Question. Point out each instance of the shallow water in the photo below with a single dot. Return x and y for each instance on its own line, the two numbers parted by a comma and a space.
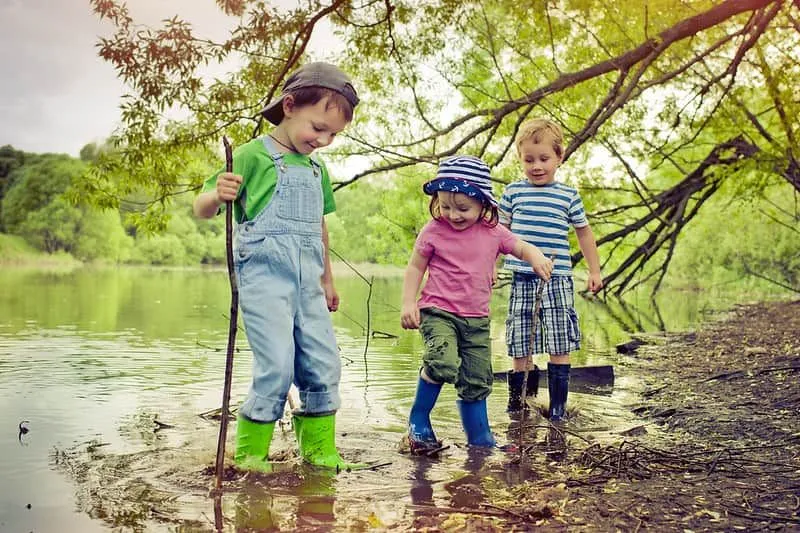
90, 359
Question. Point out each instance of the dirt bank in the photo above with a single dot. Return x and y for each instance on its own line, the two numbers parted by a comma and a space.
718, 448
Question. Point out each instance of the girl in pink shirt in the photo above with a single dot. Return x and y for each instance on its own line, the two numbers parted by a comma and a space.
458, 249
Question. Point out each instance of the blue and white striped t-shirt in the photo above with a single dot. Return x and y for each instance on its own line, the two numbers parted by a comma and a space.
542, 215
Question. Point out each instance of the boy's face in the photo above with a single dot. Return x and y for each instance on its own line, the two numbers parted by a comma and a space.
539, 160
459, 210
312, 126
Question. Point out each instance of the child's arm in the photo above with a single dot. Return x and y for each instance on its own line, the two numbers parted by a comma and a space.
589, 249
530, 253
409, 317
331, 296
506, 225
206, 205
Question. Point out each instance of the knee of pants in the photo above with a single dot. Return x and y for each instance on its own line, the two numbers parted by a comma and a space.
441, 371
473, 392
441, 358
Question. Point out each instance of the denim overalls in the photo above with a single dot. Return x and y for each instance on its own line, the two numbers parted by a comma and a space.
279, 262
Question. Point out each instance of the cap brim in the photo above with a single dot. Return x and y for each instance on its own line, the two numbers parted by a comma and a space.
457, 185
274, 110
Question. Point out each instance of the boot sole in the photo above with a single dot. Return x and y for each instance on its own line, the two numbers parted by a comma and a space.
431, 452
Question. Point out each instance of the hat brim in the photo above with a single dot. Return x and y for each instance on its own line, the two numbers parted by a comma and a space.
273, 111
458, 186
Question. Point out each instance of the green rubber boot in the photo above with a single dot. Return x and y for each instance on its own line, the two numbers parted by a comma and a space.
316, 440
252, 445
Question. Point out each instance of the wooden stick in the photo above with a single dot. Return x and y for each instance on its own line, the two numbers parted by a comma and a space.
455, 510
226, 389
536, 307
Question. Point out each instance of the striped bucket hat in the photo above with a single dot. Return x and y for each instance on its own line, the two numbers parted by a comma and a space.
465, 174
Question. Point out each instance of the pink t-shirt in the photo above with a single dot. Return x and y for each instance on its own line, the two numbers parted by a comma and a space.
460, 265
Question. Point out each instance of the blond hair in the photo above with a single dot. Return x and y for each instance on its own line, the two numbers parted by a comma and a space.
541, 130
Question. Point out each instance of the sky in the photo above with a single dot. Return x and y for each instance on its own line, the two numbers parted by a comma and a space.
56, 94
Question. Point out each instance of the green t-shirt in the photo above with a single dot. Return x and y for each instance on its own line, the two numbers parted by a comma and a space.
254, 164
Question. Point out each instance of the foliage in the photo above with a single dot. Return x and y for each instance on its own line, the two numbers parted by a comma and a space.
377, 222
53, 227
37, 209
13, 247
673, 98
10, 160
102, 238
752, 240
679, 122
35, 185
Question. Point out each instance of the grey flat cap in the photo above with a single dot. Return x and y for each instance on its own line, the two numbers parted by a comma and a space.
317, 74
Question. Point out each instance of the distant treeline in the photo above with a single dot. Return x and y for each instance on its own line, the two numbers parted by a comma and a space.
37, 203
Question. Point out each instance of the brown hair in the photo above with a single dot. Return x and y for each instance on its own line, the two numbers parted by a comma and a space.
541, 130
488, 216
311, 95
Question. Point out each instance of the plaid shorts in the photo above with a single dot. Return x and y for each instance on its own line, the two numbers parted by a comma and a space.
557, 330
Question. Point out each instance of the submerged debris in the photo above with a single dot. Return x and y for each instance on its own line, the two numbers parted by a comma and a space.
23, 430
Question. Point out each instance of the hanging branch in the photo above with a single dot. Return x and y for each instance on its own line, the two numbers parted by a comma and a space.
369, 320
369, 297
773, 281
644, 55
668, 209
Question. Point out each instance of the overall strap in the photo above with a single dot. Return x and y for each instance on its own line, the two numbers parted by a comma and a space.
277, 156
315, 165
272, 149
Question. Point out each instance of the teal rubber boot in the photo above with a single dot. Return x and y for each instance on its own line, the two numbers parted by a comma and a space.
252, 445
316, 435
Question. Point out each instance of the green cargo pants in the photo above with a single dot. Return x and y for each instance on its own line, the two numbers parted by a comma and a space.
458, 351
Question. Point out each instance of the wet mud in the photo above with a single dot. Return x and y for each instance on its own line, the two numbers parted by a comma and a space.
711, 442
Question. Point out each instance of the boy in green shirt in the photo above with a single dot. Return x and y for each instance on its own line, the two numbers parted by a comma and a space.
283, 270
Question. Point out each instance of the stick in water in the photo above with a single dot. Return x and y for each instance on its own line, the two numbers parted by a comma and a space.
536, 307
226, 389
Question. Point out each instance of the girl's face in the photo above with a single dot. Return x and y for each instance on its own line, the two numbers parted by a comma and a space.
459, 210
311, 126
539, 161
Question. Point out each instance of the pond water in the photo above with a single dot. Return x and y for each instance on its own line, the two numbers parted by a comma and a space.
94, 361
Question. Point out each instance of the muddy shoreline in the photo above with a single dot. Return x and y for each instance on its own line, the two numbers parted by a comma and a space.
709, 441
718, 447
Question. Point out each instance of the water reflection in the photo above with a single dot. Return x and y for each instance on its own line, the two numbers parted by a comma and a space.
111, 368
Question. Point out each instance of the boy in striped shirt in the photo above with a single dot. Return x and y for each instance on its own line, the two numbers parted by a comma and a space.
540, 210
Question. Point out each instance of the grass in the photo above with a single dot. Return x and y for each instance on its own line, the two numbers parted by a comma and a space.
15, 251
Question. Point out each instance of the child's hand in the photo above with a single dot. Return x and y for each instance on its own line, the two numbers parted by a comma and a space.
595, 282
331, 296
409, 318
542, 266
228, 187
534, 256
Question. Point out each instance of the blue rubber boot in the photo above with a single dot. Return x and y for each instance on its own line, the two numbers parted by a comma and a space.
420, 433
558, 385
476, 423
